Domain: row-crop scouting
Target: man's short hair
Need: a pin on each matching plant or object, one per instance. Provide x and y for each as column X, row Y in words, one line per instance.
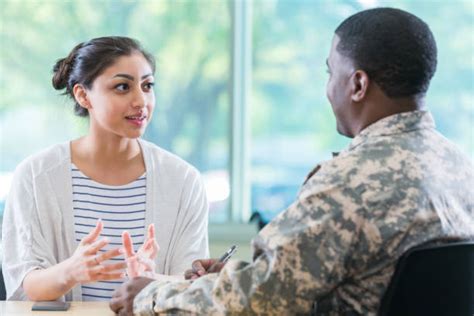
column 395, row 48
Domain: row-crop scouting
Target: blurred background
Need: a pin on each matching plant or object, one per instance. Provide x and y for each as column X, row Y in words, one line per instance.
column 240, row 88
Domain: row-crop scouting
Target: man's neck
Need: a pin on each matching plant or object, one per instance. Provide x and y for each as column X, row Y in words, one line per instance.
column 384, row 107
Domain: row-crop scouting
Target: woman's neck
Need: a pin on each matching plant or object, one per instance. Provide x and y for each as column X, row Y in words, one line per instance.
column 106, row 161
column 108, row 152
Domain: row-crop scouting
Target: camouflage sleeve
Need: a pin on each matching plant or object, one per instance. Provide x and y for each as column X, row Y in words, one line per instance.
column 299, row 257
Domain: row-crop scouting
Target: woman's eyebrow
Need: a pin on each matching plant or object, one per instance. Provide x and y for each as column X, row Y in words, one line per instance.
column 124, row 76
column 129, row 77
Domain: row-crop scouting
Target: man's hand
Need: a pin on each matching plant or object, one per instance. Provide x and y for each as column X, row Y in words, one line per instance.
column 201, row 267
column 122, row 299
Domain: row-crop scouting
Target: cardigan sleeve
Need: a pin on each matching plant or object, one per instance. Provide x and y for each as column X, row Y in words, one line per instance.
column 192, row 238
column 24, row 248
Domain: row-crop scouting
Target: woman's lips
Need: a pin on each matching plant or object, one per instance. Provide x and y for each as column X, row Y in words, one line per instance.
column 136, row 120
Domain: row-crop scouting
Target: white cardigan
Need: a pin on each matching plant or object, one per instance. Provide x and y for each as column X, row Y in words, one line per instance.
column 38, row 223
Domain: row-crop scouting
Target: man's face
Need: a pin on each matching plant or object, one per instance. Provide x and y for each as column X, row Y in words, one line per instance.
column 338, row 89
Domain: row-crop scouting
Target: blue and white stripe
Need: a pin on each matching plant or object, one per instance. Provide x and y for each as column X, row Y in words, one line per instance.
column 120, row 208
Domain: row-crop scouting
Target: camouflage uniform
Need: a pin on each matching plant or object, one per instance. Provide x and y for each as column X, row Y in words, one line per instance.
column 399, row 184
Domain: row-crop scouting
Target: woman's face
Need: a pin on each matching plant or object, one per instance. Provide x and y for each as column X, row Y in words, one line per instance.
column 121, row 99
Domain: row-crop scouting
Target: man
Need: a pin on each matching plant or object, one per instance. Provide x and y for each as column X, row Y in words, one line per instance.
column 399, row 184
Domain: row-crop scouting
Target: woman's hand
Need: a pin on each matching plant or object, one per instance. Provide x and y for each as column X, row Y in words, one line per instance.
column 142, row 262
column 86, row 264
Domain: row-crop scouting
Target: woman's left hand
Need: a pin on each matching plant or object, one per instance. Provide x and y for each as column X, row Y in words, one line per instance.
column 141, row 263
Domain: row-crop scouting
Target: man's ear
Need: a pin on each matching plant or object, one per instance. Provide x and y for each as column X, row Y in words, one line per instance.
column 360, row 84
column 80, row 94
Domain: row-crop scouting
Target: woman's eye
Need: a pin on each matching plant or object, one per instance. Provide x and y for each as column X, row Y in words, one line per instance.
column 149, row 85
column 122, row 87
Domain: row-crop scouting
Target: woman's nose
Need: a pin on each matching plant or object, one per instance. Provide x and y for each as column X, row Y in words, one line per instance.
column 139, row 100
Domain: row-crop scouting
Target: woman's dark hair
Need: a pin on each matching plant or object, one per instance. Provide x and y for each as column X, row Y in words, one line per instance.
column 89, row 59
column 395, row 48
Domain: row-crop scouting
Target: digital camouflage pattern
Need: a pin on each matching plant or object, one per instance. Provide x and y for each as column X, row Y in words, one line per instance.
column 399, row 184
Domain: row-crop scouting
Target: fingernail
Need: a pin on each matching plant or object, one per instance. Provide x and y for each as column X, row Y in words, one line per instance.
column 121, row 251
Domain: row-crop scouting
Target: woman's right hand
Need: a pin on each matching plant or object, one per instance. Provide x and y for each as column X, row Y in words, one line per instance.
column 86, row 264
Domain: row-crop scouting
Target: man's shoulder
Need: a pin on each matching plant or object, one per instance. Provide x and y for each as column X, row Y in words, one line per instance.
column 395, row 163
column 417, row 142
column 407, row 151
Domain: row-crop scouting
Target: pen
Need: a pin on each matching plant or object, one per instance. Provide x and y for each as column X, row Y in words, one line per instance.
column 224, row 258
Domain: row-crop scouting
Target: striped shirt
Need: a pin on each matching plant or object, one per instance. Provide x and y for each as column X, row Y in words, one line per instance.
column 120, row 208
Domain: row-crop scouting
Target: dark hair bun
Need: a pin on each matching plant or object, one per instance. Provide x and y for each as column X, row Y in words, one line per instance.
column 61, row 70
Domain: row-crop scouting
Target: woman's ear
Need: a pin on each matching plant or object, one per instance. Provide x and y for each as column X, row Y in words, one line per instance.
column 360, row 84
column 80, row 94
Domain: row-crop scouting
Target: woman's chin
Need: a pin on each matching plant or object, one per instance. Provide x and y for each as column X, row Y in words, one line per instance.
column 134, row 134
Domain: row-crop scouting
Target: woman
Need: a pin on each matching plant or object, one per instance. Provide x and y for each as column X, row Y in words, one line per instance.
column 102, row 184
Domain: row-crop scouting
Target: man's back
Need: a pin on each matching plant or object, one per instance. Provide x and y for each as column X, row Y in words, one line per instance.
column 405, row 185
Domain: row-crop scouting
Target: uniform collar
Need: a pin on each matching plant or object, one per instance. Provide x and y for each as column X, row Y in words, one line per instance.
column 395, row 124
